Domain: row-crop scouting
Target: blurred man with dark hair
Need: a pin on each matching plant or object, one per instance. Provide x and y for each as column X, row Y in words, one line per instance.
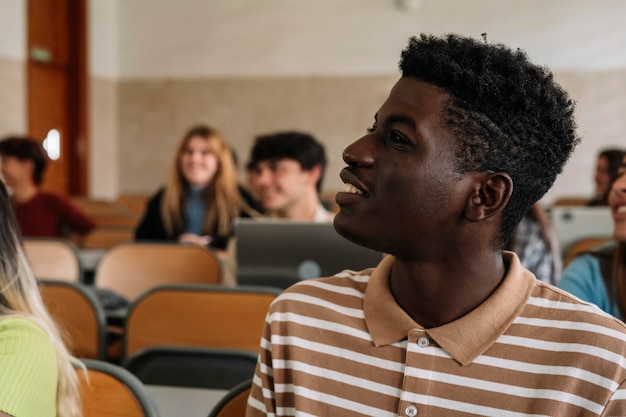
column 285, row 174
column 39, row 214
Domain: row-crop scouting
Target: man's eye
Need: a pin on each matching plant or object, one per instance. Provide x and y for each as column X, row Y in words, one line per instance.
column 395, row 137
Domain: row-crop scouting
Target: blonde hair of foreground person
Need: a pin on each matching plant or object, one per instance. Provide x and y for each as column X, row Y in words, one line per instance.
column 20, row 298
column 224, row 198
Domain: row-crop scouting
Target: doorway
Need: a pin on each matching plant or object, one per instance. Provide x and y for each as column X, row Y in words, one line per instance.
column 57, row 91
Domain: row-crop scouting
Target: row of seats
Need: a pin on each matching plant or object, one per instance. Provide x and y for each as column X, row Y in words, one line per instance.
column 188, row 336
column 106, row 389
column 128, row 269
column 172, row 315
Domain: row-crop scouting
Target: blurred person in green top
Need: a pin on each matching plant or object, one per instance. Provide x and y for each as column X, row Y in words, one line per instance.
column 37, row 377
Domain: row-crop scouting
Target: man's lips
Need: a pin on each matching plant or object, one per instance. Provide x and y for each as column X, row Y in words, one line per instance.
column 353, row 184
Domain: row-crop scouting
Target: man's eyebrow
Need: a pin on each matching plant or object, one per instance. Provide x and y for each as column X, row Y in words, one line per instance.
column 398, row 119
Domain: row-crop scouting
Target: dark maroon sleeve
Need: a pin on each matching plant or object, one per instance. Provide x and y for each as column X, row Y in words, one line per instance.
column 70, row 215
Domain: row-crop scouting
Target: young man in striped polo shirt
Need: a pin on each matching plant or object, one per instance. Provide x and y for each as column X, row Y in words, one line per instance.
column 447, row 325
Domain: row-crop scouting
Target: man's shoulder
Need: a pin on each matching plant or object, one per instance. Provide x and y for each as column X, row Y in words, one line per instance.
column 51, row 199
column 558, row 309
column 346, row 288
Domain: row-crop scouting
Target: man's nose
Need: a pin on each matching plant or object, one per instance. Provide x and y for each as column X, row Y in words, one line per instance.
column 360, row 152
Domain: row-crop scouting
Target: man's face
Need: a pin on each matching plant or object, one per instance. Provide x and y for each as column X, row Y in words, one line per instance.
column 403, row 195
column 16, row 171
column 617, row 202
column 280, row 183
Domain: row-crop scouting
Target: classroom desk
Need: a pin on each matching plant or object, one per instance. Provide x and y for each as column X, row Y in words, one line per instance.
column 188, row 402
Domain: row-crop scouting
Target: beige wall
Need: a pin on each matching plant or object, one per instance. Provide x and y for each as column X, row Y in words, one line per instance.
column 103, row 139
column 12, row 97
column 600, row 112
column 154, row 114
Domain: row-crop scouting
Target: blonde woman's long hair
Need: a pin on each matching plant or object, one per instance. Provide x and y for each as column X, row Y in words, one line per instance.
column 19, row 297
column 222, row 198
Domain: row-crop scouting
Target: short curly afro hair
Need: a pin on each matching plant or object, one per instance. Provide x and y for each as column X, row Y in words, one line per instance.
column 508, row 114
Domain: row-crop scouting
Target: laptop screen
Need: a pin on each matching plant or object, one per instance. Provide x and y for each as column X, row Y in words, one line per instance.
column 572, row 223
column 282, row 252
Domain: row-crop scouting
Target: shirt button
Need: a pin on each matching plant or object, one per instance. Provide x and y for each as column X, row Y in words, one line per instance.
column 411, row 411
column 423, row 342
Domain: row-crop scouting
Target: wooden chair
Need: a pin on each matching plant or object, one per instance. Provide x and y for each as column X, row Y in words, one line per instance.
column 79, row 315
column 108, row 390
column 136, row 203
column 583, row 245
column 53, row 259
column 208, row 368
column 201, row 316
column 233, row 404
column 106, row 237
column 130, row 269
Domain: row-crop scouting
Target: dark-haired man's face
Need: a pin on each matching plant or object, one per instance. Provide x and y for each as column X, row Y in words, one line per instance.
column 16, row 171
column 403, row 195
column 280, row 184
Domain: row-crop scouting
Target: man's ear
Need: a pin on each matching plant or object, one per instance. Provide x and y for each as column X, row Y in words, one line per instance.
column 490, row 196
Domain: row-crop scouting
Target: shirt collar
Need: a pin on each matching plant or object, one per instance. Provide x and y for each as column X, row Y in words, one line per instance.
column 465, row 338
column 322, row 215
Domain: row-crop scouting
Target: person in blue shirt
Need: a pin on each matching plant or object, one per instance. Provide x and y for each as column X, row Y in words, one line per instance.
column 202, row 196
column 599, row 276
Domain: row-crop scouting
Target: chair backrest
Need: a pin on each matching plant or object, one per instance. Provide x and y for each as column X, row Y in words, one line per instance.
column 210, row 368
column 53, row 259
column 109, row 390
column 583, row 245
column 131, row 269
column 105, row 237
column 79, row 315
column 198, row 315
column 233, row 404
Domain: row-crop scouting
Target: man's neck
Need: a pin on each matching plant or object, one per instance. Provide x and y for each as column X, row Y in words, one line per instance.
column 434, row 294
column 24, row 193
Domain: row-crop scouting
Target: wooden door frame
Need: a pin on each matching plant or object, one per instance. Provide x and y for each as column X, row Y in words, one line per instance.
column 77, row 96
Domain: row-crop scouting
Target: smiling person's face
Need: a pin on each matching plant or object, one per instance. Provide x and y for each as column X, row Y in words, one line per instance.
column 281, row 184
column 198, row 162
column 617, row 203
column 403, row 193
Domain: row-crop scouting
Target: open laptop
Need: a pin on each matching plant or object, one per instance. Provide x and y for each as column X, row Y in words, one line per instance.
column 280, row 253
column 572, row 223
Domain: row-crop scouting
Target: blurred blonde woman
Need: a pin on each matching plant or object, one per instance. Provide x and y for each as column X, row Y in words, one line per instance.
column 37, row 378
column 202, row 196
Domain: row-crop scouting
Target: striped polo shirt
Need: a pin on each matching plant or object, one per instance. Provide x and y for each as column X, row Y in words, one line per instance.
column 342, row 346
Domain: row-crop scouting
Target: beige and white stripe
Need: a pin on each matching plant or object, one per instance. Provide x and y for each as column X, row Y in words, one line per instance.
column 341, row 346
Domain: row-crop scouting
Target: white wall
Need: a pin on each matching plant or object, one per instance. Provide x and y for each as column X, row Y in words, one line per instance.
column 12, row 66
column 198, row 38
column 13, row 29
column 103, row 19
